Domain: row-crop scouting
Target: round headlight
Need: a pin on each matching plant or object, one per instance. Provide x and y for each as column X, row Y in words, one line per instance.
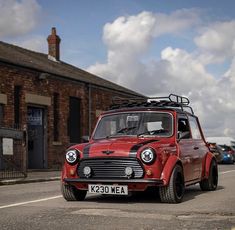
column 148, row 156
column 71, row 156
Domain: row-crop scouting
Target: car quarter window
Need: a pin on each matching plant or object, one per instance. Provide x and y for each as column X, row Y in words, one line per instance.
column 196, row 134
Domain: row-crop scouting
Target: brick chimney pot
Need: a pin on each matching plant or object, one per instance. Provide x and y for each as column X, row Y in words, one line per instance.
column 54, row 44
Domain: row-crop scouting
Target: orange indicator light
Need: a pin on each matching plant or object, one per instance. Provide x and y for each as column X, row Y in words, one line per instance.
column 149, row 172
column 72, row 172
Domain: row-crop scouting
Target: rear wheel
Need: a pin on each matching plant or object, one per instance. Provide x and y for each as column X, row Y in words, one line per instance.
column 174, row 191
column 211, row 182
column 71, row 193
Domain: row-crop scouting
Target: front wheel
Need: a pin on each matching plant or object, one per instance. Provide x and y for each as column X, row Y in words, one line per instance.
column 71, row 193
column 174, row 191
column 211, row 182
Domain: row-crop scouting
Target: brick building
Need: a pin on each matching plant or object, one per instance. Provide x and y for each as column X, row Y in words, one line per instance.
column 56, row 102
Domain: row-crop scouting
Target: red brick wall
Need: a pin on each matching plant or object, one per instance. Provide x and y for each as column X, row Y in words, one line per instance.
column 28, row 80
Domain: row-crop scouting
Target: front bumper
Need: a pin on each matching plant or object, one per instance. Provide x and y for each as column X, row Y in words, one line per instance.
column 133, row 184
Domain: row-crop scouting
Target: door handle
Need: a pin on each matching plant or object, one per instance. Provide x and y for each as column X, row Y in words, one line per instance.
column 196, row 148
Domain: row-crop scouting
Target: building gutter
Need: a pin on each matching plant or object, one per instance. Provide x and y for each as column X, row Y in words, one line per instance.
column 89, row 108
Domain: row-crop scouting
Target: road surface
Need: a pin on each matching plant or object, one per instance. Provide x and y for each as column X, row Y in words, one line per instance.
column 41, row 206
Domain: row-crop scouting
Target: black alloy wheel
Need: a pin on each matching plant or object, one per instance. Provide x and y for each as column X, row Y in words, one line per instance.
column 210, row 184
column 71, row 193
column 174, row 191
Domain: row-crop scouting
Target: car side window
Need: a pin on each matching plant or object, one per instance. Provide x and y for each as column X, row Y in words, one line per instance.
column 196, row 134
column 183, row 128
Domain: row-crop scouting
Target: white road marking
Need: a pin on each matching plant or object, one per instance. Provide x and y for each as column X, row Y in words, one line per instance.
column 221, row 173
column 29, row 202
column 56, row 197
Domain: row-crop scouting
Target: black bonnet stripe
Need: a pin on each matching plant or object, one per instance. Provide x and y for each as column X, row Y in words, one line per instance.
column 135, row 148
column 86, row 151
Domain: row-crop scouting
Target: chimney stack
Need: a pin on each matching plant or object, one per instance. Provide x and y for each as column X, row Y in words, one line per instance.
column 53, row 45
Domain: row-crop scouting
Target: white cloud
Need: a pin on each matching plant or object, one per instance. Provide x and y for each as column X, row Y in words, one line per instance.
column 185, row 71
column 178, row 71
column 217, row 42
column 176, row 21
column 134, row 33
column 228, row 82
column 18, row 17
column 131, row 34
column 127, row 38
column 35, row 42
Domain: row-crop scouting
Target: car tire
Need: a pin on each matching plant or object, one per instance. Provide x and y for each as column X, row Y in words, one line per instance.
column 70, row 193
column 174, row 191
column 210, row 184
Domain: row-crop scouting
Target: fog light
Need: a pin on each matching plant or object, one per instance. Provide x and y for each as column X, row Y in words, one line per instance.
column 87, row 171
column 128, row 171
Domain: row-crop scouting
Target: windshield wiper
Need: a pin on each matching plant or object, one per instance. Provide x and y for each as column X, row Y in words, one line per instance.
column 123, row 130
column 126, row 129
column 152, row 132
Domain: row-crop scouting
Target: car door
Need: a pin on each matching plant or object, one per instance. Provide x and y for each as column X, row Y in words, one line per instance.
column 185, row 143
column 199, row 146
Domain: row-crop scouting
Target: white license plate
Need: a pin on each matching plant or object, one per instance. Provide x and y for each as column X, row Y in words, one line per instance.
column 108, row 189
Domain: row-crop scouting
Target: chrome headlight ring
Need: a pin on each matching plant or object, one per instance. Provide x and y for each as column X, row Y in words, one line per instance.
column 148, row 155
column 72, row 156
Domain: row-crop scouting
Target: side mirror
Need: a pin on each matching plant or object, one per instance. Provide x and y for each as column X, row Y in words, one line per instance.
column 85, row 139
column 179, row 136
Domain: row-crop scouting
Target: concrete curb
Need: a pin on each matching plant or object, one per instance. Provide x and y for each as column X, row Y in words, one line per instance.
column 26, row 181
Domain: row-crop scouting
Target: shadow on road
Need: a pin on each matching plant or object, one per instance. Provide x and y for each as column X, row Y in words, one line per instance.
column 149, row 196
column 194, row 191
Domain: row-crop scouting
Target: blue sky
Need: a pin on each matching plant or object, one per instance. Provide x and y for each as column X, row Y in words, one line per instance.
column 80, row 22
column 154, row 47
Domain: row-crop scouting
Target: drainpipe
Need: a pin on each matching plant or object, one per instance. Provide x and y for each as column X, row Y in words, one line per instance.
column 89, row 108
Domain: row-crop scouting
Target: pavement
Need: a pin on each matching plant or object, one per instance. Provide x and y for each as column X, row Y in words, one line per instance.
column 33, row 176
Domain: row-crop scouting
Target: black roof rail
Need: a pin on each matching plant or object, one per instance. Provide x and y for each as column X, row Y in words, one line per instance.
column 179, row 99
column 171, row 101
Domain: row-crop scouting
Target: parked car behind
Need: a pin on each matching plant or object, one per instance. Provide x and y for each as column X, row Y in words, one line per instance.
column 228, row 154
column 217, row 152
column 230, row 150
column 233, row 150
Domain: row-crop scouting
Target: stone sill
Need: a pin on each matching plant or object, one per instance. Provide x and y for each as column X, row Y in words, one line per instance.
column 57, row 143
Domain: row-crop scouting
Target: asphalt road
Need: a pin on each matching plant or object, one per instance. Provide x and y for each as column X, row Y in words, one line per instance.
column 40, row 206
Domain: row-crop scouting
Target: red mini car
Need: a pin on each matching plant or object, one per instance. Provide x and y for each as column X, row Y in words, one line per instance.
column 156, row 142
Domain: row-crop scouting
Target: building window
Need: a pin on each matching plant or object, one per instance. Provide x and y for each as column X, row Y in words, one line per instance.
column 17, row 91
column 56, row 116
column 74, row 120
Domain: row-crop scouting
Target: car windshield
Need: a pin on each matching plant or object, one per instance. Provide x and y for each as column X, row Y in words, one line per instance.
column 139, row 124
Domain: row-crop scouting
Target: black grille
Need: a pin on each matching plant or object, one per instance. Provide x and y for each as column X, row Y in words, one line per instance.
column 111, row 168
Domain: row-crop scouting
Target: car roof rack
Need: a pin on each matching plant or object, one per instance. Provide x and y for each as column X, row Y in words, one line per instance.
column 171, row 101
